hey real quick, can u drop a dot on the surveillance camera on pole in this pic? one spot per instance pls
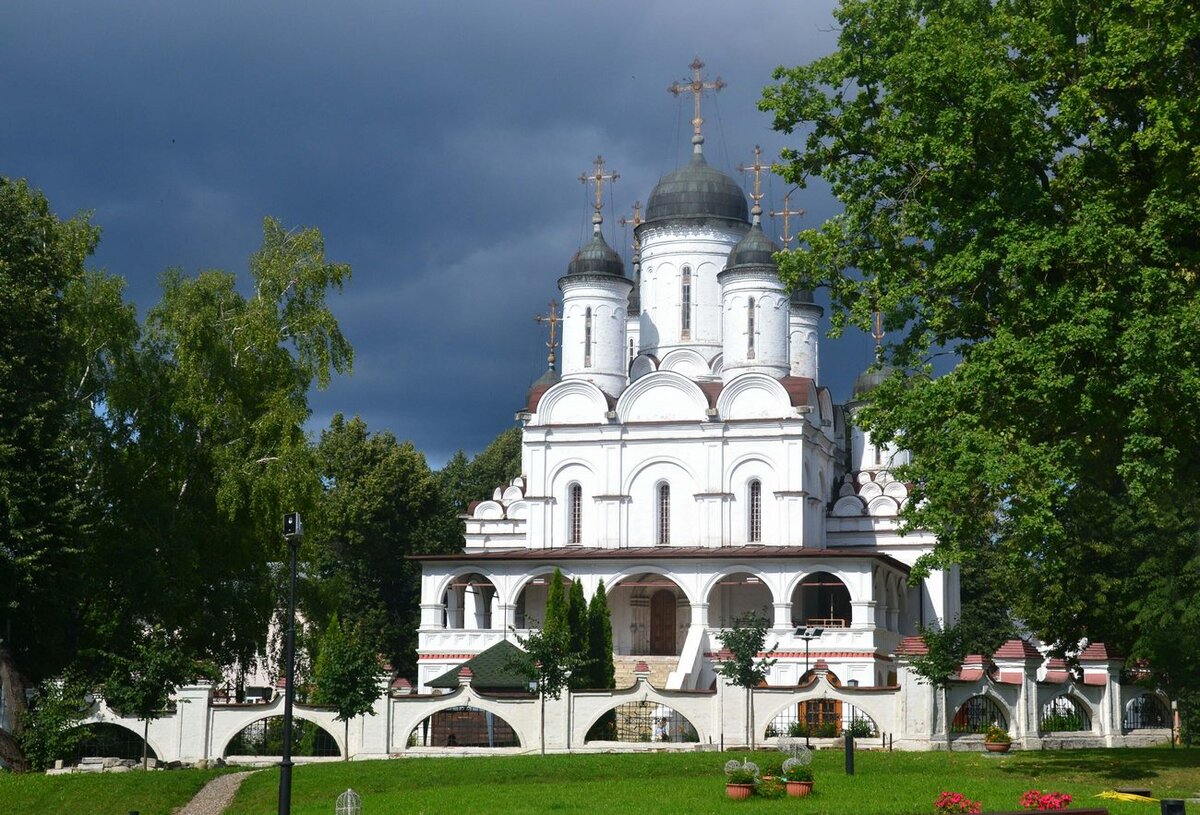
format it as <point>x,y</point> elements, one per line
<point>293,526</point>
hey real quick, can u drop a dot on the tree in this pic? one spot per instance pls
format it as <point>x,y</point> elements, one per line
<point>745,640</point>
<point>379,503</point>
<point>577,634</point>
<point>475,480</point>
<point>40,507</point>
<point>141,684</point>
<point>546,659</point>
<point>1018,184</point>
<point>600,641</point>
<point>152,442</point>
<point>51,724</point>
<point>556,609</point>
<point>347,673</point>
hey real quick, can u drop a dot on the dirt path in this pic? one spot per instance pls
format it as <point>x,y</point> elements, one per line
<point>214,796</point>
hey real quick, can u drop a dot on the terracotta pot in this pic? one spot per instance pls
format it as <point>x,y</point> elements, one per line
<point>798,789</point>
<point>739,791</point>
<point>998,747</point>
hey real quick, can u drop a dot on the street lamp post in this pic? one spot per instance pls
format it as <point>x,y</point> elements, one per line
<point>808,634</point>
<point>293,532</point>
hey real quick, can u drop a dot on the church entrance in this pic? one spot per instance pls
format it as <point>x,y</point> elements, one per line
<point>662,622</point>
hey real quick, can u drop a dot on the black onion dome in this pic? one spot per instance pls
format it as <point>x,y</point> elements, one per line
<point>697,190</point>
<point>802,297</point>
<point>754,249</point>
<point>870,379</point>
<point>596,258</point>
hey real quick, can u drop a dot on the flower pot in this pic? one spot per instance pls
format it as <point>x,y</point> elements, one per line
<point>739,791</point>
<point>798,789</point>
<point>998,747</point>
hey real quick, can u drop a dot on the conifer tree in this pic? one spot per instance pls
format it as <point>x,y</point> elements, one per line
<point>577,634</point>
<point>599,642</point>
<point>556,607</point>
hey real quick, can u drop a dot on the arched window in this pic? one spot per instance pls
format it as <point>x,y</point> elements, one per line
<point>664,513</point>
<point>631,353</point>
<point>750,329</point>
<point>587,339</point>
<point>685,303</point>
<point>575,514</point>
<point>754,519</point>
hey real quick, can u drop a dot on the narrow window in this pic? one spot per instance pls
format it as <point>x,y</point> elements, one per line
<point>664,513</point>
<point>750,329</point>
<point>685,303</point>
<point>575,511</point>
<point>587,339</point>
<point>878,455</point>
<point>631,354</point>
<point>755,518</point>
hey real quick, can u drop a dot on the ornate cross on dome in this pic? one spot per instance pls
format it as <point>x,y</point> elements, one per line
<point>786,237</point>
<point>697,87</point>
<point>553,319</point>
<point>598,177</point>
<point>878,335</point>
<point>757,167</point>
<point>635,222</point>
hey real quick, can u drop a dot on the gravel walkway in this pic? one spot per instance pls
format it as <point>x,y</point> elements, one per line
<point>215,795</point>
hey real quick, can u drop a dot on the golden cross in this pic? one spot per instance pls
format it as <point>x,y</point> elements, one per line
<point>635,221</point>
<point>598,177</point>
<point>757,167</point>
<point>786,237</point>
<point>697,87</point>
<point>553,319</point>
<point>878,335</point>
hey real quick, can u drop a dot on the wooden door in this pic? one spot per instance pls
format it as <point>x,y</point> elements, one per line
<point>662,622</point>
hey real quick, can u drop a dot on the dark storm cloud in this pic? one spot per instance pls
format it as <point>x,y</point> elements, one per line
<point>437,146</point>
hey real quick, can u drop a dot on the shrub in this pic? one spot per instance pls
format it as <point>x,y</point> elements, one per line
<point>1045,801</point>
<point>741,775</point>
<point>770,789</point>
<point>861,728</point>
<point>997,735</point>
<point>954,802</point>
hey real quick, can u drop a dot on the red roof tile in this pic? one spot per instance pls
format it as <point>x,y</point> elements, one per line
<point>1017,649</point>
<point>913,646</point>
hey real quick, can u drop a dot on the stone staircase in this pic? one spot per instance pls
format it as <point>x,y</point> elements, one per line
<point>660,668</point>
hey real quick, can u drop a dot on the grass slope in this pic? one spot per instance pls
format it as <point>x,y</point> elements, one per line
<point>154,793</point>
<point>693,783</point>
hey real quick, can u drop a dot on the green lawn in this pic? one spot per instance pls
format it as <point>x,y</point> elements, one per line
<point>693,783</point>
<point>155,793</point>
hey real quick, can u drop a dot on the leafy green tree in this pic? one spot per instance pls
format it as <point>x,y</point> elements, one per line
<point>51,725</point>
<point>141,684</point>
<point>151,442</point>
<point>1019,190</point>
<point>546,658</point>
<point>475,480</point>
<point>347,673</point>
<point>41,512</point>
<point>745,639</point>
<point>577,633</point>
<point>600,641</point>
<point>379,503</point>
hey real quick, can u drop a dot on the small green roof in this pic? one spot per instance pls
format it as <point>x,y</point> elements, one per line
<point>494,668</point>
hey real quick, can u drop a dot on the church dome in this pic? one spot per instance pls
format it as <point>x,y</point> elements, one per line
<point>870,379</point>
<point>596,258</point>
<point>802,297</point>
<point>697,190</point>
<point>754,249</point>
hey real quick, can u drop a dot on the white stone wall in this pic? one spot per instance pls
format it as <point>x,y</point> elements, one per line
<point>804,341</point>
<point>769,354</point>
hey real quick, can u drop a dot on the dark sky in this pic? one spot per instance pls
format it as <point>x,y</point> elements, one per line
<point>437,146</point>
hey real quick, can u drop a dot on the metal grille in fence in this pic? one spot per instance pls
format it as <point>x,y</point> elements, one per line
<point>643,722</point>
<point>1146,711</point>
<point>265,738</point>
<point>821,718</point>
<point>976,715</point>
<point>1062,714</point>
<point>464,726</point>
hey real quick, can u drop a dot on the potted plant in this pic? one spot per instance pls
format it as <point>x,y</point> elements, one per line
<point>997,740</point>
<point>739,783</point>
<point>771,769</point>
<point>798,780</point>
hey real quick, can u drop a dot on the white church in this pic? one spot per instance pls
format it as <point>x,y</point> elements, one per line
<point>689,457</point>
